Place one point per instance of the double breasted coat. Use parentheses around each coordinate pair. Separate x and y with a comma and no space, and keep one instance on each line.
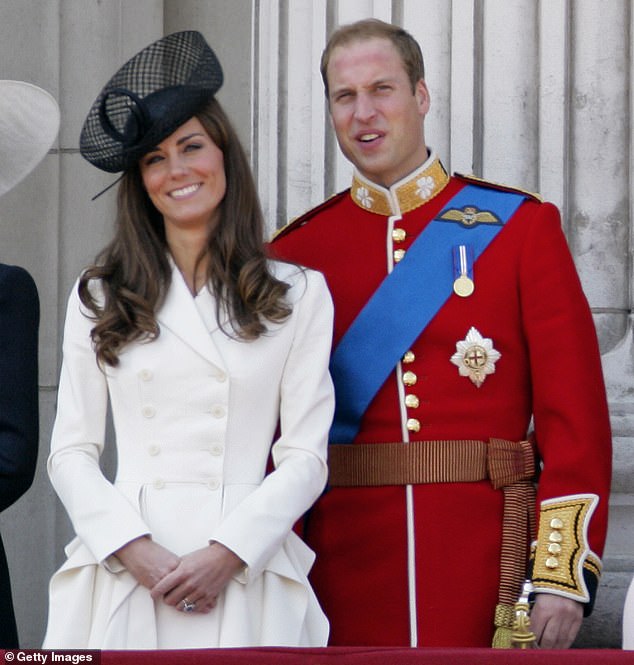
(195,413)
(19,321)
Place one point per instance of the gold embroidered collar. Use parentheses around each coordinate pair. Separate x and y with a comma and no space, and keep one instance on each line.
(405,195)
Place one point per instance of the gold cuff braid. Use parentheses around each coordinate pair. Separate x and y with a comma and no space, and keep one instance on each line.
(562,551)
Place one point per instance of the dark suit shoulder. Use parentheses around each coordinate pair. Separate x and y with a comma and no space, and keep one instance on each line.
(19,306)
(17,285)
(307,216)
(16,276)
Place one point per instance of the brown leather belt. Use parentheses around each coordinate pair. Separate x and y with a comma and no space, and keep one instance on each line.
(508,465)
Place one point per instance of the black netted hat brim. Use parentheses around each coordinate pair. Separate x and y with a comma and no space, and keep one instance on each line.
(155,92)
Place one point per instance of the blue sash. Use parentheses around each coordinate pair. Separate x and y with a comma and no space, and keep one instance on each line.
(406,301)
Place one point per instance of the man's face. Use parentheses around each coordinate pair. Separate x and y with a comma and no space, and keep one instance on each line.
(377,118)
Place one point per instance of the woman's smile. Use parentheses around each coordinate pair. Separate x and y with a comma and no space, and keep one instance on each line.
(184,192)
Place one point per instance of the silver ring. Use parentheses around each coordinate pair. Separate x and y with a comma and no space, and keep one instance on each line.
(187,606)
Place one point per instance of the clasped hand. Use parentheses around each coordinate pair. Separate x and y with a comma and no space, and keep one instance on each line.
(196,578)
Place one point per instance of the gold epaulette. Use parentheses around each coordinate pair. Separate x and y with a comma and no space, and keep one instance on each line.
(296,222)
(476,180)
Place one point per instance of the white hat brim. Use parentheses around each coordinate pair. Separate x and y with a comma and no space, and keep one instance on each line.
(29,122)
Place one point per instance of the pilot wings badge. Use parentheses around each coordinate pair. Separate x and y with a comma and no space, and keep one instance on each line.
(475,357)
(470,216)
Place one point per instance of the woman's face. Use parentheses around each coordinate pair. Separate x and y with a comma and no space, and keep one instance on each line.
(184,177)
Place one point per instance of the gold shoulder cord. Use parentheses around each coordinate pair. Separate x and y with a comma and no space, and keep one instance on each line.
(476,180)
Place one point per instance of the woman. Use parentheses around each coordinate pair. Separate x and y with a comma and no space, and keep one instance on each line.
(202,347)
(29,120)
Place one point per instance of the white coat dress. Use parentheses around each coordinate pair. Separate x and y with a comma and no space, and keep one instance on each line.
(195,412)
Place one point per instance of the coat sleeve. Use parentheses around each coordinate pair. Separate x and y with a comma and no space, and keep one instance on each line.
(102,517)
(19,429)
(258,526)
(571,418)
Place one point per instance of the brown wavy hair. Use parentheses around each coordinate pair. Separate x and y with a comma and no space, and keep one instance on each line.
(371,28)
(134,269)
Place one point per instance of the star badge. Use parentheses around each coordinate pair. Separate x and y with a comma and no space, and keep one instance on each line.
(475,357)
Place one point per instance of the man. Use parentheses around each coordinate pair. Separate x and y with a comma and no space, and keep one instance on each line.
(29,119)
(459,318)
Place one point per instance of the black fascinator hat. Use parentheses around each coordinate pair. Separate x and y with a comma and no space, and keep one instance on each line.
(155,92)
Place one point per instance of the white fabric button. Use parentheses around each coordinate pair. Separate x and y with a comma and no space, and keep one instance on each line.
(218,411)
(213,483)
(221,376)
(148,411)
(146,375)
(216,450)
(159,484)
(154,450)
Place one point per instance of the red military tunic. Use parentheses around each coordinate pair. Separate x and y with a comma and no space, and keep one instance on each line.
(420,565)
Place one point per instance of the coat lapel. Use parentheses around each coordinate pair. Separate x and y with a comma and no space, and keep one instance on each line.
(180,314)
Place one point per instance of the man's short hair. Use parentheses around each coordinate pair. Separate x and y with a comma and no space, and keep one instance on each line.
(371,28)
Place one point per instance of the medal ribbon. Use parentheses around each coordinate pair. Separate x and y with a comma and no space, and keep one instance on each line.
(419,285)
(463,269)
(463,261)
